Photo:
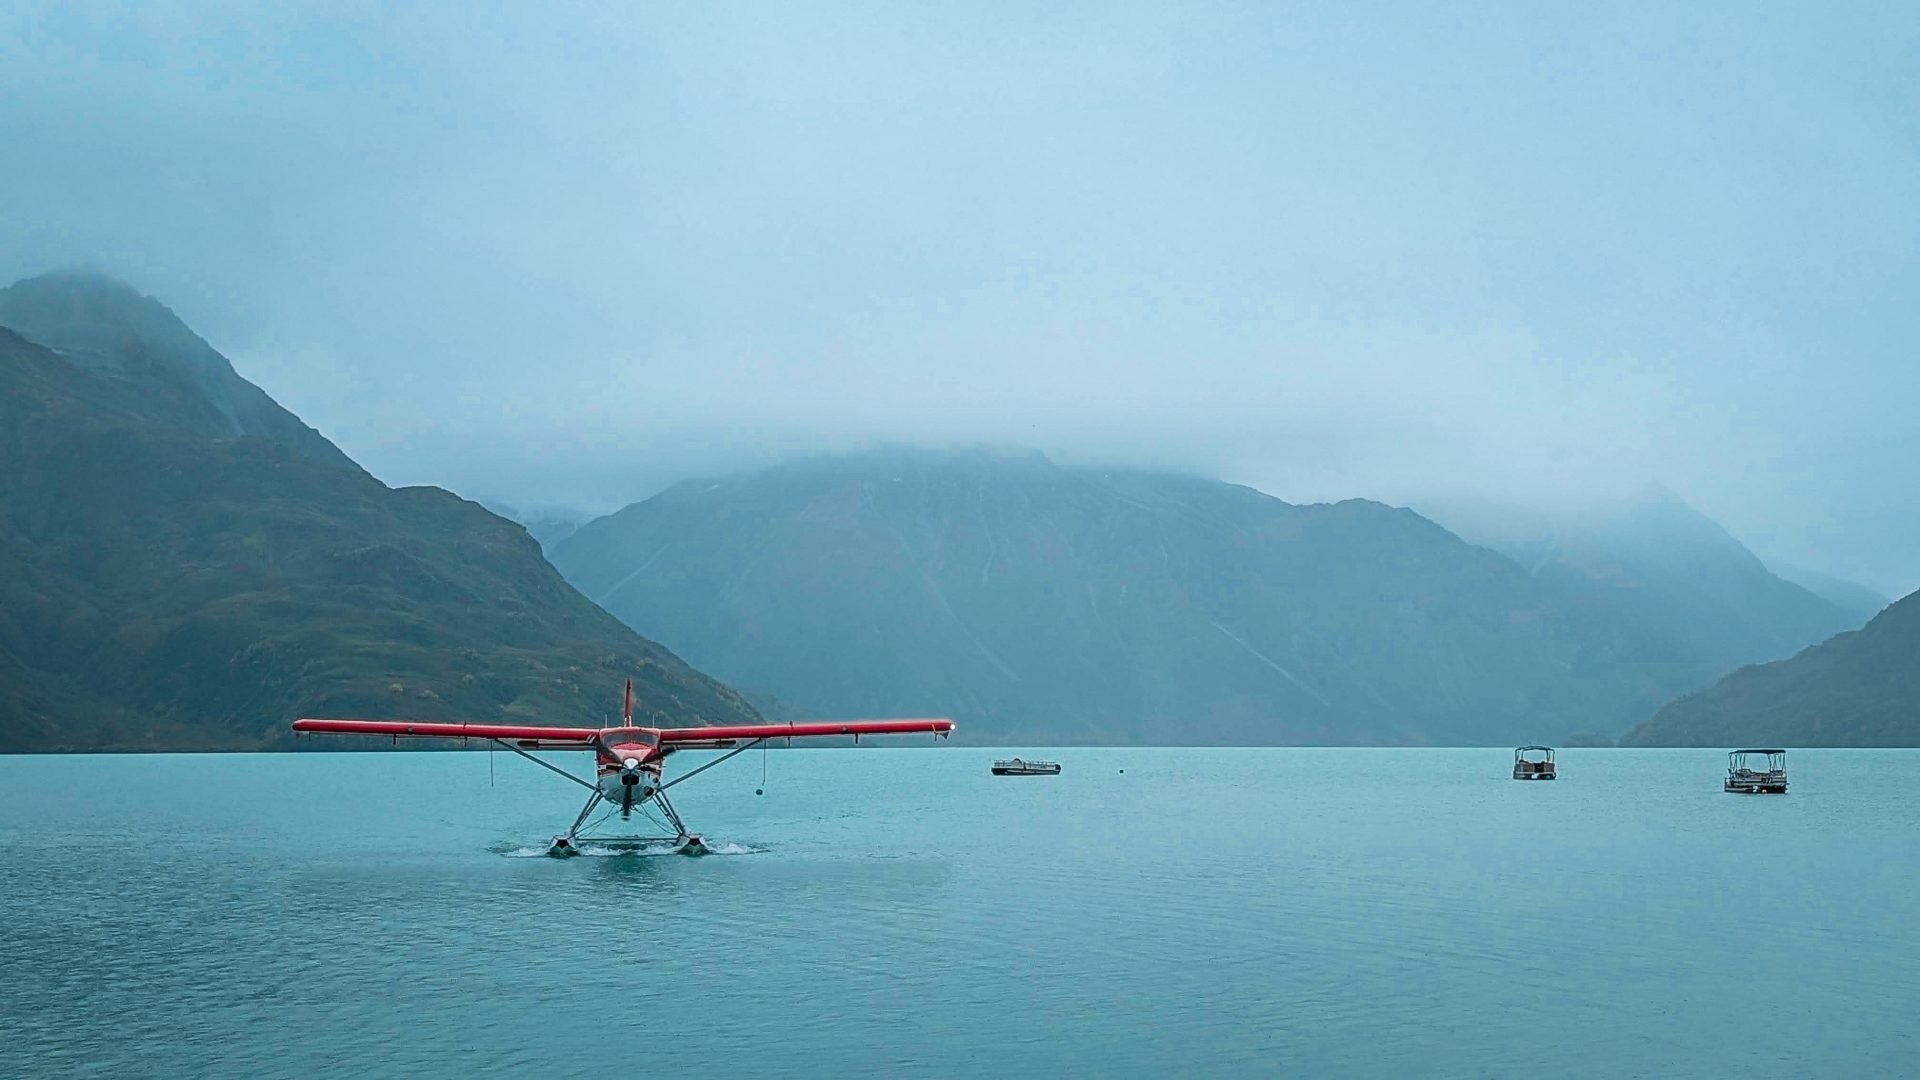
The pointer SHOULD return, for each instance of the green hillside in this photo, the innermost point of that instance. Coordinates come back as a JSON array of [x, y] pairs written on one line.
[[1860, 688], [168, 584], [1038, 602]]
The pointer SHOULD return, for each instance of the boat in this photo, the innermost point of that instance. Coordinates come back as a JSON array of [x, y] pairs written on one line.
[[1747, 776], [1023, 767], [1533, 763]]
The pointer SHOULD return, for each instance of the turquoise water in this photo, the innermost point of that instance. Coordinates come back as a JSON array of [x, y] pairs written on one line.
[[1207, 912]]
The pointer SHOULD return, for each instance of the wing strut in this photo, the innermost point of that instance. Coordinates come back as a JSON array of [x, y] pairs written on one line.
[[548, 765], [711, 764]]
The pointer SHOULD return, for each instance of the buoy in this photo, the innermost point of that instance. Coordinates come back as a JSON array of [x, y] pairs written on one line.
[[759, 791]]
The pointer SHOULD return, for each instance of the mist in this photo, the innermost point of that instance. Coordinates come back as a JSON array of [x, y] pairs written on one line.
[[565, 256]]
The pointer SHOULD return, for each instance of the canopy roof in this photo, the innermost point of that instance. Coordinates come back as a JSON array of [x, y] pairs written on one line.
[[1731, 753]]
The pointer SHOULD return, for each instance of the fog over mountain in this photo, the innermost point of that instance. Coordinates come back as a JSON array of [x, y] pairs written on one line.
[[565, 255], [1036, 603], [1661, 566]]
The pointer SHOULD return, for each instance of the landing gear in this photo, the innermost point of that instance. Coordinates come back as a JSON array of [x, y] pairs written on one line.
[[581, 832]]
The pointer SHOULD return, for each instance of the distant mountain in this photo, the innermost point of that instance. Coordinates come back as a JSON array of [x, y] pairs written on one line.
[[548, 530], [1855, 599], [1037, 602], [173, 580], [1860, 688], [1663, 567], [547, 525]]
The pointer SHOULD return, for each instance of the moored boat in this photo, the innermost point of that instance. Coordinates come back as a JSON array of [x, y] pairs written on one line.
[[1022, 767], [1757, 772], [1533, 763]]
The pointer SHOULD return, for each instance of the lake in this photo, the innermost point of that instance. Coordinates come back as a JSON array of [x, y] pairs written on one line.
[[1313, 912]]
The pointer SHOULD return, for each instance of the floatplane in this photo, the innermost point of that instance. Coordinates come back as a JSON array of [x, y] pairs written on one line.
[[628, 761]]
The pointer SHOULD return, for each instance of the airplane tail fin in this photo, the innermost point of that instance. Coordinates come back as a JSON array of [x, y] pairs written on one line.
[[626, 706]]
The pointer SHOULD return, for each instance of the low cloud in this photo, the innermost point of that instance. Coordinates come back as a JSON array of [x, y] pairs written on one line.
[[571, 254]]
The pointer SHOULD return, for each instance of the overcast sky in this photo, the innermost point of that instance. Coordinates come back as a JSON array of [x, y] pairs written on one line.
[[553, 254]]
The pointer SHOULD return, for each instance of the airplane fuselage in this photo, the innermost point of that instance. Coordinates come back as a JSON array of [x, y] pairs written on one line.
[[627, 766]]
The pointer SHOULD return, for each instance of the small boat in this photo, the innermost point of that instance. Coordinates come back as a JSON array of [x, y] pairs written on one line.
[[1757, 772], [1022, 767], [1533, 763]]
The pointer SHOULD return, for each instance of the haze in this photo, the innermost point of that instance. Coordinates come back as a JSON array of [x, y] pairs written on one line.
[[565, 254]]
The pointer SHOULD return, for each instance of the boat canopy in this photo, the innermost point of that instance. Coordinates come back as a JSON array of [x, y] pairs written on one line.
[[1769, 753]]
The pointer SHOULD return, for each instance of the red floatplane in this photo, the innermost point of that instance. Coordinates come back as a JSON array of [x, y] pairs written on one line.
[[627, 760]]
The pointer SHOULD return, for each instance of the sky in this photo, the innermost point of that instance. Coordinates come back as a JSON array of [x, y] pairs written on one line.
[[564, 254]]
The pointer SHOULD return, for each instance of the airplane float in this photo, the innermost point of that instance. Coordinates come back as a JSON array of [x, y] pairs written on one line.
[[628, 760]]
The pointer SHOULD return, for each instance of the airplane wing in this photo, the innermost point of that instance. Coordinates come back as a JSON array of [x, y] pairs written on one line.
[[557, 738], [562, 738], [811, 729]]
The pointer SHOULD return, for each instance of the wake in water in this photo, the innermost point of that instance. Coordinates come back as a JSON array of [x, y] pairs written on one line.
[[593, 849]]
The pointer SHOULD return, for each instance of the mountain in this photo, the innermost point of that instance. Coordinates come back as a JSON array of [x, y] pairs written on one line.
[[106, 327], [1661, 566], [168, 581], [1855, 599], [1035, 602], [1860, 688]]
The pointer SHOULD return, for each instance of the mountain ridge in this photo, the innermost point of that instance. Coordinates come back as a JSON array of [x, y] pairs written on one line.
[[112, 329]]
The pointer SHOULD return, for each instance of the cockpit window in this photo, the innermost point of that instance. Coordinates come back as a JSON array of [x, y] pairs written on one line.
[[631, 735]]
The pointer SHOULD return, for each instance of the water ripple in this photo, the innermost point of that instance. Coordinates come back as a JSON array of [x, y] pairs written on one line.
[[1208, 912]]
